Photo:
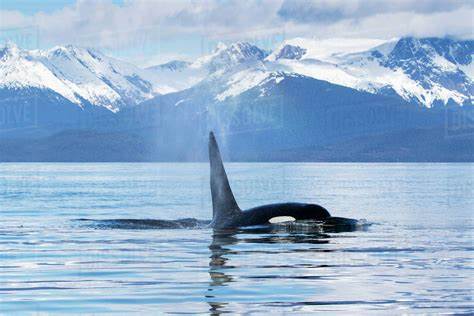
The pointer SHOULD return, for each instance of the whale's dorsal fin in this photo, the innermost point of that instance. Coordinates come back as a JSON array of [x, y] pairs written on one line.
[[224, 206]]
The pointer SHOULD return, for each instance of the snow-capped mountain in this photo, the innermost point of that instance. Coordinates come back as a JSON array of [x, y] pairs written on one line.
[[425, 71], [225, 57], [441, 67], [274, 113], [173, 66], [428, 72], [178, 75], [82, 76], [304, 95], [288, 51]]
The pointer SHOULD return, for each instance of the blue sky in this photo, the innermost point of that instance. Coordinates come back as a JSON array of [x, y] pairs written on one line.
[[148, 32], [30, 7]]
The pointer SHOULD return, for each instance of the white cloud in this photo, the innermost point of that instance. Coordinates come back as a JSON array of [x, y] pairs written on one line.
[[13, 19], [335, 10], [457, 23], [143, 25]]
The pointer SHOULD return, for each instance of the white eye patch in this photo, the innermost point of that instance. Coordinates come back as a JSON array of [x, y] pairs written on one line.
[[281, 219]]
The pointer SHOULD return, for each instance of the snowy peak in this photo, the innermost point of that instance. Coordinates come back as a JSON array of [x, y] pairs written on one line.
[[87, 56], [174, 65], [223, 61], [288, 52], [328, 49], [10, 50], [426, 71], [81, 75], [407, 48], [456, 52], [424, 52], [240, 52], [178, 75], [436, 66], [225, 57]]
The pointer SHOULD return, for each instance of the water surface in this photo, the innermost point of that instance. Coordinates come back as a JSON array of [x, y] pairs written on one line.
[[417, 257]]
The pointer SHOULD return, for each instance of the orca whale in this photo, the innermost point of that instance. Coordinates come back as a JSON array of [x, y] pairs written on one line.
[[227, 214]]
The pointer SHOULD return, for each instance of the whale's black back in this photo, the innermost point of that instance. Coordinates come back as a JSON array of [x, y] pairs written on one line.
[[299, 211]]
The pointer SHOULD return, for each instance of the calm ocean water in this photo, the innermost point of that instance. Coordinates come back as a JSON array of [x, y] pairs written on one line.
[[416, 257]]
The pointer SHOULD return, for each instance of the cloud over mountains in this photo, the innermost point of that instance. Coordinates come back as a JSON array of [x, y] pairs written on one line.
[[99, 23]]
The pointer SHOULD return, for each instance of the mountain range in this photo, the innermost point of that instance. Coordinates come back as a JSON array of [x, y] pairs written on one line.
[[427, 71], [306, 100]]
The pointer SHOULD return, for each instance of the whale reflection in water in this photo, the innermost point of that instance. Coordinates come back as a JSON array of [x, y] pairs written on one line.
[[232, 253], [238, 242]]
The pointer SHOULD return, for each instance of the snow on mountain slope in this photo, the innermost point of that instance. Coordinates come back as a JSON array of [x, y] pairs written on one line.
[[427, 71], [374, 77], [424, 71], [320, 70], [78, 74], [18, 71], [179, 75], [243, 66], [174, 65], [176, 75], [98, 78], [225, 57], [247, 79], [327, 49], [287, 51]]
